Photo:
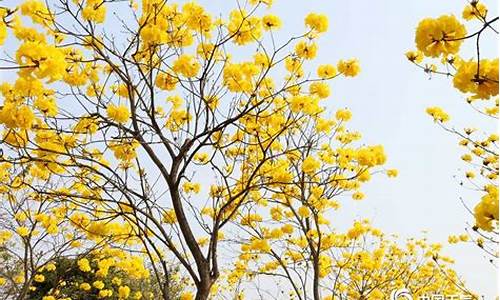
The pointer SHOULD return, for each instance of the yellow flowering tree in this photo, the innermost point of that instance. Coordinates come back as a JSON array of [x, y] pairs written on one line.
[[96, 276], [439, 41], [33, 231], [39, 234], [360, 263], [171, 135]]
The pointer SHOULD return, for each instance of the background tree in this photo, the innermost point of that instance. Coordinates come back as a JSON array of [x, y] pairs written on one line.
[[40, 238], [165, 101], [127, 115], [84, 278], [440, 39], [33, 230]]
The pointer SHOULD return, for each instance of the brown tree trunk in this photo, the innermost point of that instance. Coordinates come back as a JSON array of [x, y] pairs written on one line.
[[316, 279], [203, 290]]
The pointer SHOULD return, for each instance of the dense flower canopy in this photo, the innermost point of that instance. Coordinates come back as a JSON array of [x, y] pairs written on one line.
[[185, 138]]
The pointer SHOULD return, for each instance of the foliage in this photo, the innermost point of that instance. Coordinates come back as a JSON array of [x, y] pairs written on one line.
[[70, 278]]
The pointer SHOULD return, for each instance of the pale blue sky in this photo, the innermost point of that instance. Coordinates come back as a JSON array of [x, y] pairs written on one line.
[[388, 100]]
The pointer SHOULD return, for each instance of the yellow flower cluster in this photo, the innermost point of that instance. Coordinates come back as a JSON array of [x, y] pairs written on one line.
[[166, 81], [438, 114], [317, 22], [125, 150], [478, 79], [349, 67], [246, 28], [94, 11], [440, 36], [271, 22], [475, 10], [118, 113], [363, 255], [186, 65], [482, 86]]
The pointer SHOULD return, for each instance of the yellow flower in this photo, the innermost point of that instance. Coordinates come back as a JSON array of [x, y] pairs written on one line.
[[123, 292], [487, 86], [260, 245], [415, 56], [287, 228], [310, 165], [245, 28], [186, 296], [118, 113], [3, 32], [326, 71], [266, 2], [435, 37], [191, 187], [169, 216], [201, 157], [46, 105], [392, 173], [186, 65], [320, 89], [317, 22], [467, 157], [19, 279], [343, 115], [438, 114], [98, 284], [371, 156], [486, 212], [116, 281], [474, 10], [39, 278], [23, 231], [271, 22], [212, 102], [125, 150], [37, 10], [177, 119], [304, 211], [349, 67], [358, 195], [50, 267], [84, 265], [105, 293], [94, 11], [166, 81], [470, 174], [85, 286], [305, 50], [17, 116]]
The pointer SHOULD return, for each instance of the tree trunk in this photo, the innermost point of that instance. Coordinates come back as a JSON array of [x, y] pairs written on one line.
[[316, 277], [203, 290]]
